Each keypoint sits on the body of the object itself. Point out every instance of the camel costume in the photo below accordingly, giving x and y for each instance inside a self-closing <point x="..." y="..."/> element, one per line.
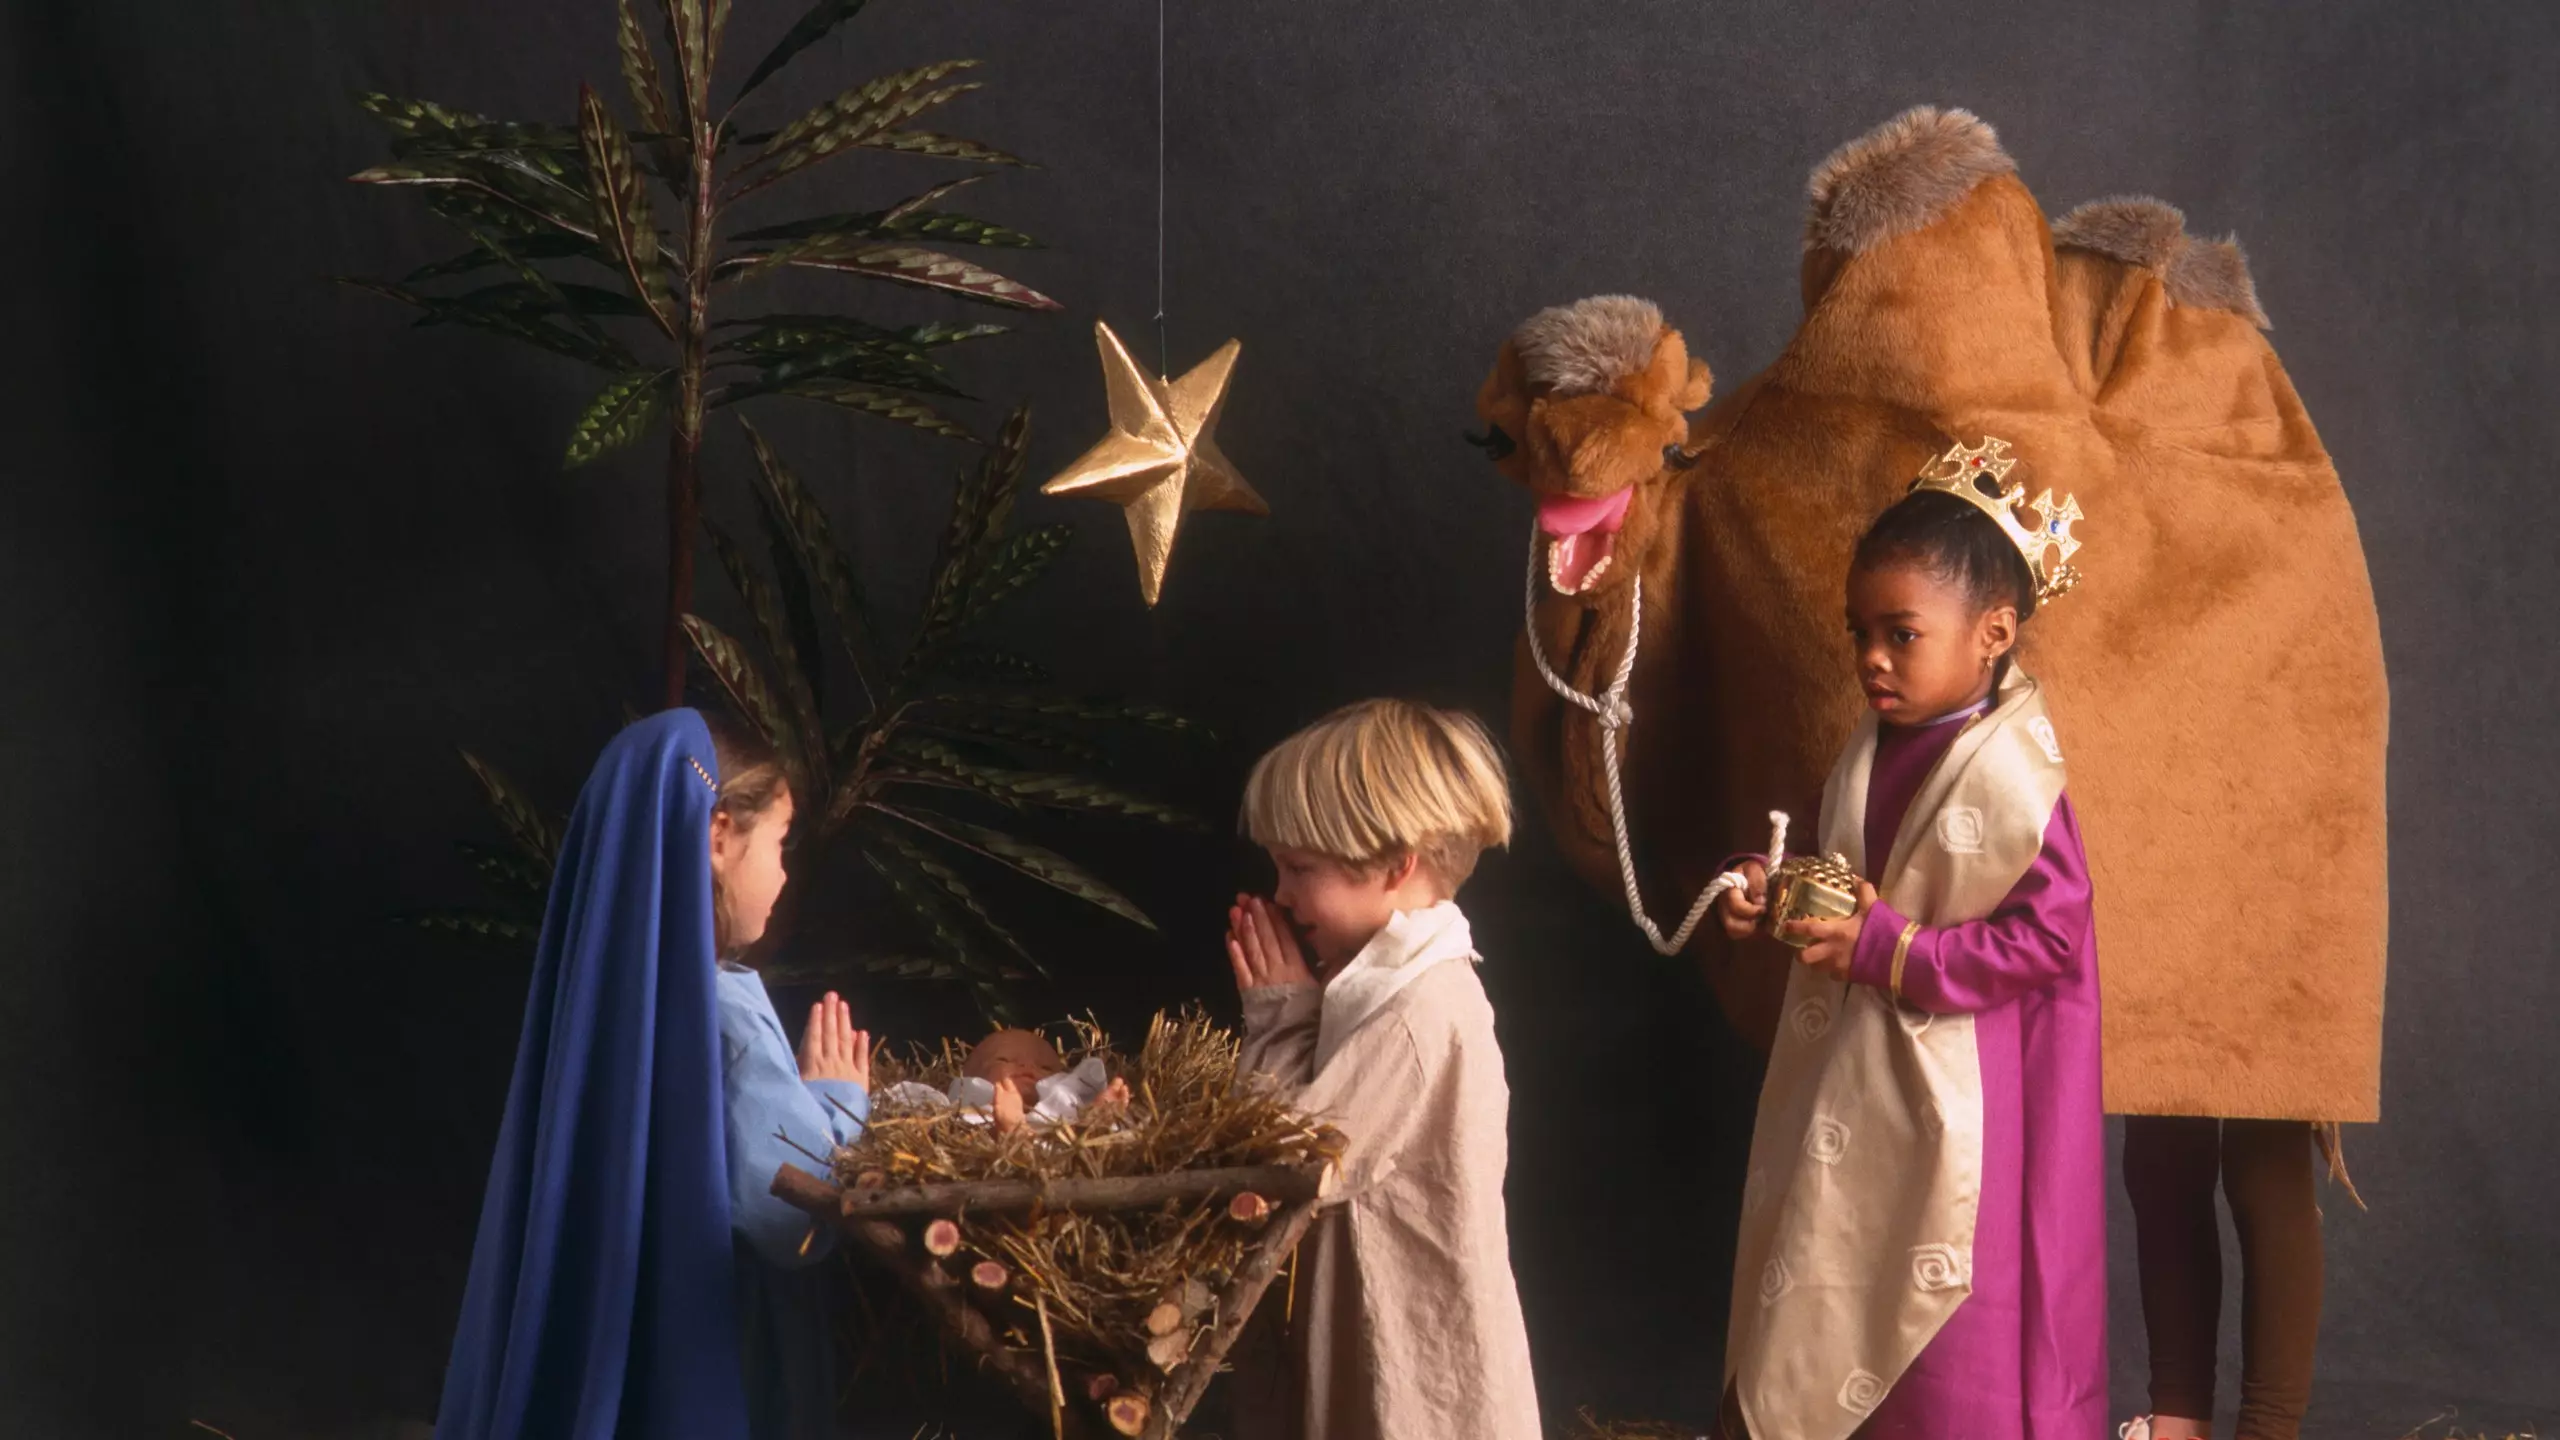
<point x="2220" y="672"/>
<point x="1405" y="1320"/>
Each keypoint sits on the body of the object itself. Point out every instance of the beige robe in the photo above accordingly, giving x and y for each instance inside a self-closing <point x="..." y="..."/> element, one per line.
<point x="1405" y="1321"/>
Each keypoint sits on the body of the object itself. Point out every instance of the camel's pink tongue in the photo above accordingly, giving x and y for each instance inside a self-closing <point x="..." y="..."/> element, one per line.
<point x="1562" y="515"/>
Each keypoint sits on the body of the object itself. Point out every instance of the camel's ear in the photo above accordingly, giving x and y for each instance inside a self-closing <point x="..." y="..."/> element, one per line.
<point x="1670" y="384"/>
<point x="1701" y="384"/>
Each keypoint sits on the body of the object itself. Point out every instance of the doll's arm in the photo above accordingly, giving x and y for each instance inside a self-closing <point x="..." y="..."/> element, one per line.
<point x="2035" y="938"/>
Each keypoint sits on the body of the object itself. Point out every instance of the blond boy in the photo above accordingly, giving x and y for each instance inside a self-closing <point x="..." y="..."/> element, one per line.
<point x="1359" y="987"/>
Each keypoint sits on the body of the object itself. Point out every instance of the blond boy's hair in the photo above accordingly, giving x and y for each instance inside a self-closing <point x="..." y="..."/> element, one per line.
<point x="1381" y="779"/>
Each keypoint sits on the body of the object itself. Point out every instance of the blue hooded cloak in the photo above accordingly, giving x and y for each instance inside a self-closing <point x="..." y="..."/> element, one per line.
<point x="599" y="1304"/>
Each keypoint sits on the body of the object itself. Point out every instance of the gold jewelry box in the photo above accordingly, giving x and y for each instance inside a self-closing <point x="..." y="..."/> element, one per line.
<point x="1810" y="887"/>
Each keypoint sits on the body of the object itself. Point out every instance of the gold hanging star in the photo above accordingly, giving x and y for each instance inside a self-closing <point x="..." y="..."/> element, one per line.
<point x="1161" y="459"/>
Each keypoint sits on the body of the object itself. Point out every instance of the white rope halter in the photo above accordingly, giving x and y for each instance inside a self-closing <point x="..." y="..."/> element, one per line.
<point x="1611" y="709"/>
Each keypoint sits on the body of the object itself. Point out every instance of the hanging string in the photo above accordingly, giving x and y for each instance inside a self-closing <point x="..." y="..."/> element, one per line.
<point x="1164" y="352"/>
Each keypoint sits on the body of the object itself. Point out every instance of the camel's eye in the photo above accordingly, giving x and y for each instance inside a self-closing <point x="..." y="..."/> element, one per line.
<point x="1496" y="446"/>
<point x="1676" y="458"/>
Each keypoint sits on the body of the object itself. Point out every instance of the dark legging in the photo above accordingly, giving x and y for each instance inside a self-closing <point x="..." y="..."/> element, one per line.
<point x="2170" y="1166"/>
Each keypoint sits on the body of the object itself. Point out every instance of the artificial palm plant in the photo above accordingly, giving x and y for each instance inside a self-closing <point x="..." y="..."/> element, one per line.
<point x="938" y="734"/>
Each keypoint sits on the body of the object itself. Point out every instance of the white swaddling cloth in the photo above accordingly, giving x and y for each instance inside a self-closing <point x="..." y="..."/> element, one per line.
<point x="1063" y="1097"/>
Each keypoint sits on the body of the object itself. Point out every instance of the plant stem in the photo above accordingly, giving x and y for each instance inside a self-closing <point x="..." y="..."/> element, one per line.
<point x="684" y="440"/>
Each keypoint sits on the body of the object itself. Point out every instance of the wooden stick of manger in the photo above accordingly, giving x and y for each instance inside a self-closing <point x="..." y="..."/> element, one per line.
<point x="1132" y="1412"/>
<point x="1183" y="1388"/>
<point x="1283" y="1184"/>
<point x="1020" y="1372"/>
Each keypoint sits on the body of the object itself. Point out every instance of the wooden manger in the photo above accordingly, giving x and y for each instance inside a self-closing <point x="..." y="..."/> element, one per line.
<point x="1000" y="1317"/>
<point x="1100" y="1268"/>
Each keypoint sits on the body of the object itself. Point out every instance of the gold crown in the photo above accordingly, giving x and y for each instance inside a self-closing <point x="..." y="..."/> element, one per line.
<point x="1974" y="474"/>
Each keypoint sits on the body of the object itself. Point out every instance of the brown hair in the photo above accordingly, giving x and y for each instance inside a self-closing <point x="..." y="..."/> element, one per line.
<point x="1381" y="779"/>
<point x="751" y="774"/>
<point x="752" y="782"/>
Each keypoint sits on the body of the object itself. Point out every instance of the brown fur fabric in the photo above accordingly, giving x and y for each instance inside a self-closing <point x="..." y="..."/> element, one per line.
<point x="2216" y="680"/>
<point x="1899" y="177"/>
<point x="2133" y="228"/>
<point x="1589" y="345"/>
<point x="2138" y="230"/>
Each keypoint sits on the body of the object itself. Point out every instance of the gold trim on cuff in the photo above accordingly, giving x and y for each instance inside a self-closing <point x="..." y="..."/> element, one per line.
<point x="1901" y="952"/>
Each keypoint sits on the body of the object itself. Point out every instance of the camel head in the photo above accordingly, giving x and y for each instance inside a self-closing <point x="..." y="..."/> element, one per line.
<point x="1587" y="406"/>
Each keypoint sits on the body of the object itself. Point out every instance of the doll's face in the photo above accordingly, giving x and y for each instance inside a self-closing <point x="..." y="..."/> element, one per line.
<point x="747" y="870"/>
<point x="1019" y="1058"/>
<point x="1923" y="650"/>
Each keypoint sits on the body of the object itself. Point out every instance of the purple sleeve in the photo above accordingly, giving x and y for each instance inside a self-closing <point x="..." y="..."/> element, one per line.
<point x="2032" y="940"/>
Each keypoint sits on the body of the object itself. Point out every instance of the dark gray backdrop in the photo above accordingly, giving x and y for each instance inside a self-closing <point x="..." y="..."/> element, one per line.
<point x="269" y="558"/>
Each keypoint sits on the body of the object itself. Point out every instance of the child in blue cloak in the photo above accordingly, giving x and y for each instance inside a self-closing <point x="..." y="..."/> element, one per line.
<point x="633" y="1278"/>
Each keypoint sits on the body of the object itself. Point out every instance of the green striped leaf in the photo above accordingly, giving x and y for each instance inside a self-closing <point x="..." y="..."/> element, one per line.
<point x="604" y="353"/>
<point x="619" y="414"/>
<point x="1040" y="863"/>
<point x="944" y="147"/>
<point x="407" y="118"/>
<point x="507" y="870"/>
<point x="1103" y="711"/>
<point x="476" y="925"/>
<point x="640" y="72"/>
<point x="930" y="270"/>
<point x="824" y="236"/>
<point x="765" y="608"/>
<point x="480" y="211"/>
<point x="1017" y="734"/>
<point x="622" y="208"/>
<point x="799" y="605"/>
<point x="853" y="118"/>
<point x="980" y="505"/>
<point x="533" y="835"/>
<point x="887" y="404"/>
<point x="545" y="297"/>
<point x="956" y="891"/>
<point x="487" y="202"/>
<point x="545" y="244"/>
<point x="786" y="339"/>
<point x="1016" y="565"/>
<point x="688" y="43"/>
<point x="745" y="686"/>
<point x="808" y="30"/>
<point x="983" y="662"/>
<point x="950" y="935"/>
<point x="856" y="362"/>
<point x="815" y="542"/>
<point x="1029" y="787"/>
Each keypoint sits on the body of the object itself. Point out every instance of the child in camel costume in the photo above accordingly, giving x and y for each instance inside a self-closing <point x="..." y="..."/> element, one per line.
<point x="2220" y="669"/>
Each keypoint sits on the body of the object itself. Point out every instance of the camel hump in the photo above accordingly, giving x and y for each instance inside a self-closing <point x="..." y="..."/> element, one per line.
<point x="1899" y="177"/>
<point x="2139" y="230"/>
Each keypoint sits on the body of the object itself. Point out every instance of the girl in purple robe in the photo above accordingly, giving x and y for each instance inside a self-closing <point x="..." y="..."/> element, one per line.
<point x="1923" y="1248"/>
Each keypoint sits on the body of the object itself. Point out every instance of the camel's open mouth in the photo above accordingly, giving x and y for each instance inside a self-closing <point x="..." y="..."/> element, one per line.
<point x="1581" y="536"/>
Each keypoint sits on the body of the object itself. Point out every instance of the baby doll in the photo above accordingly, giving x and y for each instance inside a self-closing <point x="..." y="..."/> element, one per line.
<point x="1016" y="1077"/>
